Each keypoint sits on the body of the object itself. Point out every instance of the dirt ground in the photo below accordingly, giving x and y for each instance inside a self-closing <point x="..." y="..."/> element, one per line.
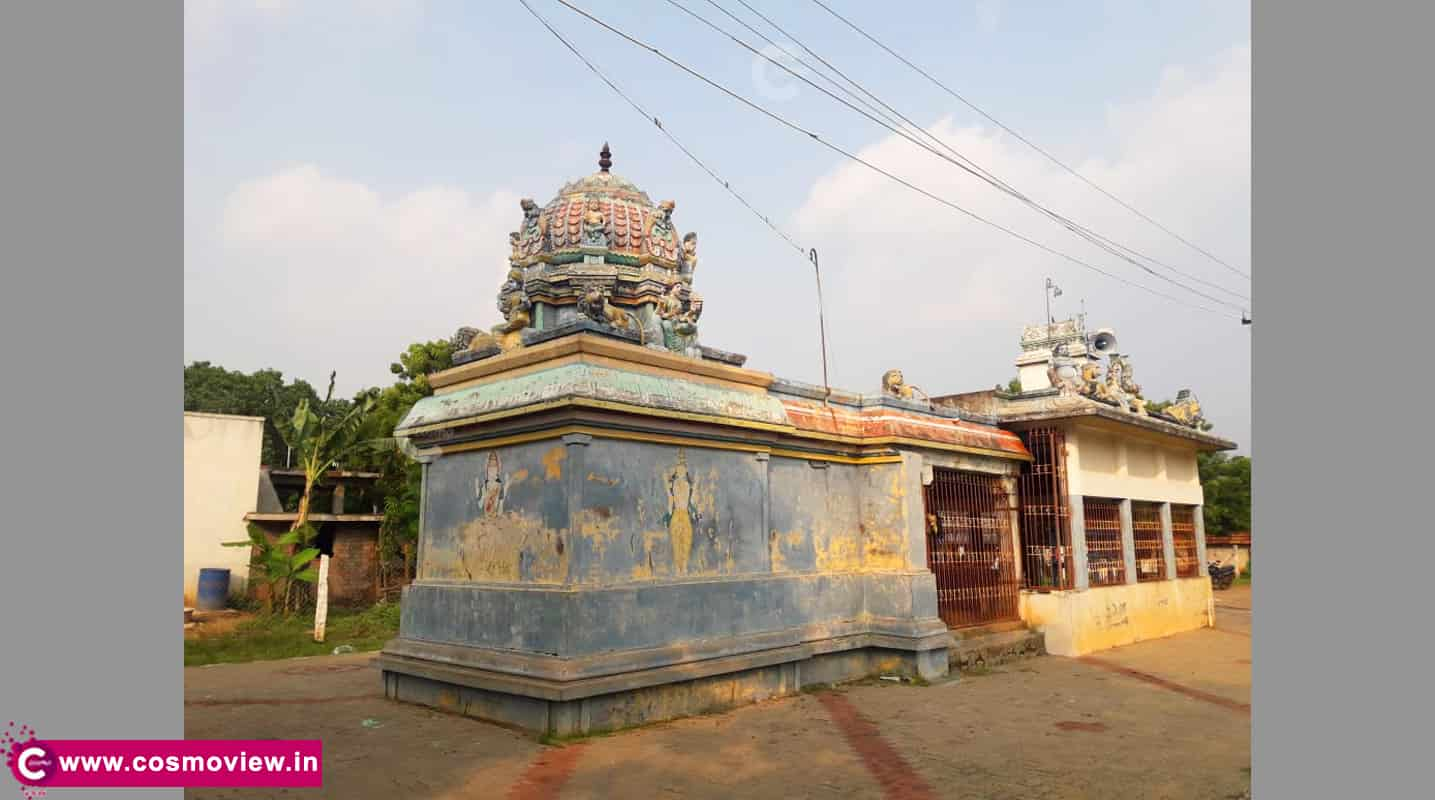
<point x="215" y="623"/>
<point x="1162" y="719"/>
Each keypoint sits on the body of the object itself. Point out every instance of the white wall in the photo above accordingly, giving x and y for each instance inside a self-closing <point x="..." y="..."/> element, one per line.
<point x="1108" y="464"/>
<point x="1077" y="623"/>
<point x="221" y="485"/>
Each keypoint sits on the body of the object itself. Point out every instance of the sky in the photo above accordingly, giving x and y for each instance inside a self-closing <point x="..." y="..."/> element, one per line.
<point x="352" y="170"/>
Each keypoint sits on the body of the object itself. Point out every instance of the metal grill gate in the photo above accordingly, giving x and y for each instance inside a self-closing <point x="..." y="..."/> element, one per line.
<point x="1045" y="513"/>
<point x="969" y="547"/>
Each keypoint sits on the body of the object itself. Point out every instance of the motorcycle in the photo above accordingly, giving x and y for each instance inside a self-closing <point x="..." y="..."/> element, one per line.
<point x="1221" y="575"/>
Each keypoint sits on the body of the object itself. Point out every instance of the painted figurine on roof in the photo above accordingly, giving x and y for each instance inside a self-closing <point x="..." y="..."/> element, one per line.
<point x="603" y="252"/>
<point x="1186" y="410"/>
<point x="894" y="384"/>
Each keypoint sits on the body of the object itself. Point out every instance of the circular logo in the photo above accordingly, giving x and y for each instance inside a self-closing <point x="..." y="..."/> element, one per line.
<point x="772" y="82"/>
<point x="34" y="763"/>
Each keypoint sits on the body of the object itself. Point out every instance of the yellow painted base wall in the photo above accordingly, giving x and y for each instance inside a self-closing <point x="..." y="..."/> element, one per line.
<point x="1077" y="623"/>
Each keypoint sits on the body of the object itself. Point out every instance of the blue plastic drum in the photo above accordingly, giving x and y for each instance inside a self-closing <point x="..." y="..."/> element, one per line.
<point x="213" y="592"/>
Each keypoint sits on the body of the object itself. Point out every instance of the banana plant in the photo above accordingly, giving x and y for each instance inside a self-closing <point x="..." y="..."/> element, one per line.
<point x="321" y="439"/>
<point x="273" y="563"/>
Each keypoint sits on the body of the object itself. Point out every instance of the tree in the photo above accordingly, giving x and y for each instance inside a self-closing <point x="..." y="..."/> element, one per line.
<point x="1226" y="483"/>
<point x="322" y="433"/>
<point x="260" y="394"/>
<point x="400" y="481"/>
<point x="320" y="436"/>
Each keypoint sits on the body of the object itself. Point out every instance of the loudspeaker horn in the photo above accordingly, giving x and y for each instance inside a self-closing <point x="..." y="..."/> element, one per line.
<point x="1103" y="342"/>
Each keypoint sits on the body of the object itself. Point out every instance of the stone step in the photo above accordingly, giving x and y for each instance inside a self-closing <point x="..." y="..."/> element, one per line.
<point x="978" y="631"/>
<point x="977" y="650"/>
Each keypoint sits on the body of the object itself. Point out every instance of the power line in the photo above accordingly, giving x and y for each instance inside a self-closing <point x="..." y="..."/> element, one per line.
<point x="853" y="157"/>
<point x="659" y="125"/>
<point x="1084" y="231"/>
<point x="964" y="163"/>
<point x="1031" y="144"/>
<point x="693" y="157"/>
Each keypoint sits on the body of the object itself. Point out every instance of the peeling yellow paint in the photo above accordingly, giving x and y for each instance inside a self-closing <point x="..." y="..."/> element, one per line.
<point x="838" y="554"/>
<point x="792" y="539"/>
<point x="884" y="519"/>
<point x="553" y="462"/>
<point x="599" y="528"/>
<point x="518" y="476"/>
<point x="508" y="547"/>
<point x="646" y="563"/>
<point x="596" y="478"/>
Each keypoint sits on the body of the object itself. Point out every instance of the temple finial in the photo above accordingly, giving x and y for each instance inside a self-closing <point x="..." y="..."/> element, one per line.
<point x="605" y="158"/>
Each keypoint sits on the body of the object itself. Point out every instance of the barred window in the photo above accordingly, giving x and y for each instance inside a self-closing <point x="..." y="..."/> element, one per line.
<point x="1150" y="550"/>
<point x="1045" y="513"/>
<point x="1105" y="565"/>
<point x="1183" y="536"/>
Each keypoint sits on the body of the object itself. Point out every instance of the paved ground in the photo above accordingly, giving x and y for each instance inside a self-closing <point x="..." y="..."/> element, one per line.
<point x="1161" y="719"/>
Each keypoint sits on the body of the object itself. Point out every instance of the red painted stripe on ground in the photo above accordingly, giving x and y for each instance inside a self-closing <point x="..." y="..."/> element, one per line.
<point x="285" y="701"/>
<point x="1155" y="680"/>
<point x="546" y="775"/>
<point x="893" y="773"/>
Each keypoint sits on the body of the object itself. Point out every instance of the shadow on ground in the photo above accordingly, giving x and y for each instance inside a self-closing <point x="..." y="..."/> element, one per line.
<point x="1046" y="727"/>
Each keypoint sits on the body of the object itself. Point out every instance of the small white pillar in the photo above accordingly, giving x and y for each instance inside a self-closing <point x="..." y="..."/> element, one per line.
<point x="1128" y="541"/>
<point x="1199" y="516"/>
<point x="1077" y="506"/>
<point x="1168" y="542"/>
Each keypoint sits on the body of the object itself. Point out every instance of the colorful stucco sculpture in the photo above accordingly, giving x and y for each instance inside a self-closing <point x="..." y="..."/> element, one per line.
<point x="621" y="525"/>
<point x="601" y="250"/>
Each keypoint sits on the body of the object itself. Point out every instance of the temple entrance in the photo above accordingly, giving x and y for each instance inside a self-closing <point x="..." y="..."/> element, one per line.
<point x="969" y="547"/>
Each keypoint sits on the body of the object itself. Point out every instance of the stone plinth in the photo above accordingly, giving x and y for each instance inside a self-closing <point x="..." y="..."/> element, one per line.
<point x="614" y="535"/>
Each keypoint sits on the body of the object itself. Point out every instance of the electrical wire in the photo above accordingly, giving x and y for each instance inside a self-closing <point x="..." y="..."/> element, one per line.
<point x="1104" y="243"/>
<point x="692" y="156"/>
<point x="659" y="125"/>
<point x="929" y="135"/>
<point x="1030" y="143"/>
<point x="857" y="159"/>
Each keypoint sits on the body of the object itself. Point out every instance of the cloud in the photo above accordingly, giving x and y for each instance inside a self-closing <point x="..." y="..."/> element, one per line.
<point x="989" y="13"/>
<point x="927" y="289"/>
<point x="330" y="271"/>
<point x="211" y="25"/>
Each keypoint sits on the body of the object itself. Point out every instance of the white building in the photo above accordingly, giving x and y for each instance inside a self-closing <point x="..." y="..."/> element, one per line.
<point x="221" y="485"/>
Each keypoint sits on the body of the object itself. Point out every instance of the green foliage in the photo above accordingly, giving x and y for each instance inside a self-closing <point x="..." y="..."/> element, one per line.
<point x="322" y="433"/>
<point x="1014" y="386"/>
<point x="1226" y="482"/>
<point x="280" y="563"/>
<point x="270" y="636"/>
<point x="260" y="394"/>
<point x="333" y="432"/>
<point x="401" y="477"/>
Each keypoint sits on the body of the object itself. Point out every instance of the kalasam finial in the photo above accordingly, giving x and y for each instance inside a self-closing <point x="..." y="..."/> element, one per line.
<point x="605" y="158"/>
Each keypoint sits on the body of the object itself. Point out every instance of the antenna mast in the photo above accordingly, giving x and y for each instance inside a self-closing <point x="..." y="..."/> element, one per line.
<point x="821" y="325"/>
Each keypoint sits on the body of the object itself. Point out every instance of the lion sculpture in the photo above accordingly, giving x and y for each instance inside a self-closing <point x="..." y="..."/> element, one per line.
<point x="517" y="315"/>
<point x="895" y="385"/>
<point x="594" y="305"/>
<point x="1186" y="410"/>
